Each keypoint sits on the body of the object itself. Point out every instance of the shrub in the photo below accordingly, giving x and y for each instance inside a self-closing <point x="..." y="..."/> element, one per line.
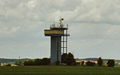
<point x="57" y="63"/>
<point x="82" y="63"/>
<point x="88" y="63"/>
<point x="8" y="64"/>
<point x="45" y="61"/>
<point x="37" y="62"/>
<point x="29" y="63"/>
<point x="111" y="63"/>
<point x="100" y="61"/>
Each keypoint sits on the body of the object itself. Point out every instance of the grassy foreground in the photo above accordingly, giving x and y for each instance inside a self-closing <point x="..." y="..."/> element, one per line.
<point x="59" y="70"/>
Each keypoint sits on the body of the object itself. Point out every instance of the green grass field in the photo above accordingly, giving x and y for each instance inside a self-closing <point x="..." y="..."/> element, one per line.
<point x="59" y="70"/>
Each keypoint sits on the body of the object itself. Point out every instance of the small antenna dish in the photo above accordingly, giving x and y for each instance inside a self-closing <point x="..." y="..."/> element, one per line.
<point x="61" y="19"/>
<point x="61" y="24"/>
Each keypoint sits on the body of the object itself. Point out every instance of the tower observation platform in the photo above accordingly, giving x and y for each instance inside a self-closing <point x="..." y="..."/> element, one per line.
<point x="58" y="34"/>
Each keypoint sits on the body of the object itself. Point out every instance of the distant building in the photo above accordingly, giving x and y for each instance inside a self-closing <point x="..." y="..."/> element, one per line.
<point x="80" y="61"/>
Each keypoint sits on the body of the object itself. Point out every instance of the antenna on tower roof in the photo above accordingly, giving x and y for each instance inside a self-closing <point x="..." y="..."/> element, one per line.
<point x="61" y="24"/>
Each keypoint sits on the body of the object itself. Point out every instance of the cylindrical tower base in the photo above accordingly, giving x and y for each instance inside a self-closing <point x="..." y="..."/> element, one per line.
<point x="55" y="49"/>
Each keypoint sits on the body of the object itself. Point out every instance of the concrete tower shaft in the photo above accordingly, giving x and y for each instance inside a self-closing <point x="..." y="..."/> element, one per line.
<point x="55" y="49"/>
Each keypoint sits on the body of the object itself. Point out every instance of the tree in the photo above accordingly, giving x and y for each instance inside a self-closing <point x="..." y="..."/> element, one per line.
<point x="29" y="63"/>
<point x="111" y="63"/>
<point x="37" y="61"/>
<point x="45" y="61"/>
<point x="100" y="61"/>
<point x="64" y="57"/>
<point x="70" y="59"/>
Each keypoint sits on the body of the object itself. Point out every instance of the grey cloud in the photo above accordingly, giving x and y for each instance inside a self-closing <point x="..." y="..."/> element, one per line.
<point x="91" y="22"/>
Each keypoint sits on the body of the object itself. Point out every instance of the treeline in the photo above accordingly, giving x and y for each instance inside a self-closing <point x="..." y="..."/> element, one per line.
<point x="68" y="59"/>
<point x="110" y="63"/>
<point x="36" y="62"/>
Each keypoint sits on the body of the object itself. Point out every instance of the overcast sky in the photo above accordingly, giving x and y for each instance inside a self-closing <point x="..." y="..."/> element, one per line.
<point x="94" y="26"/>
